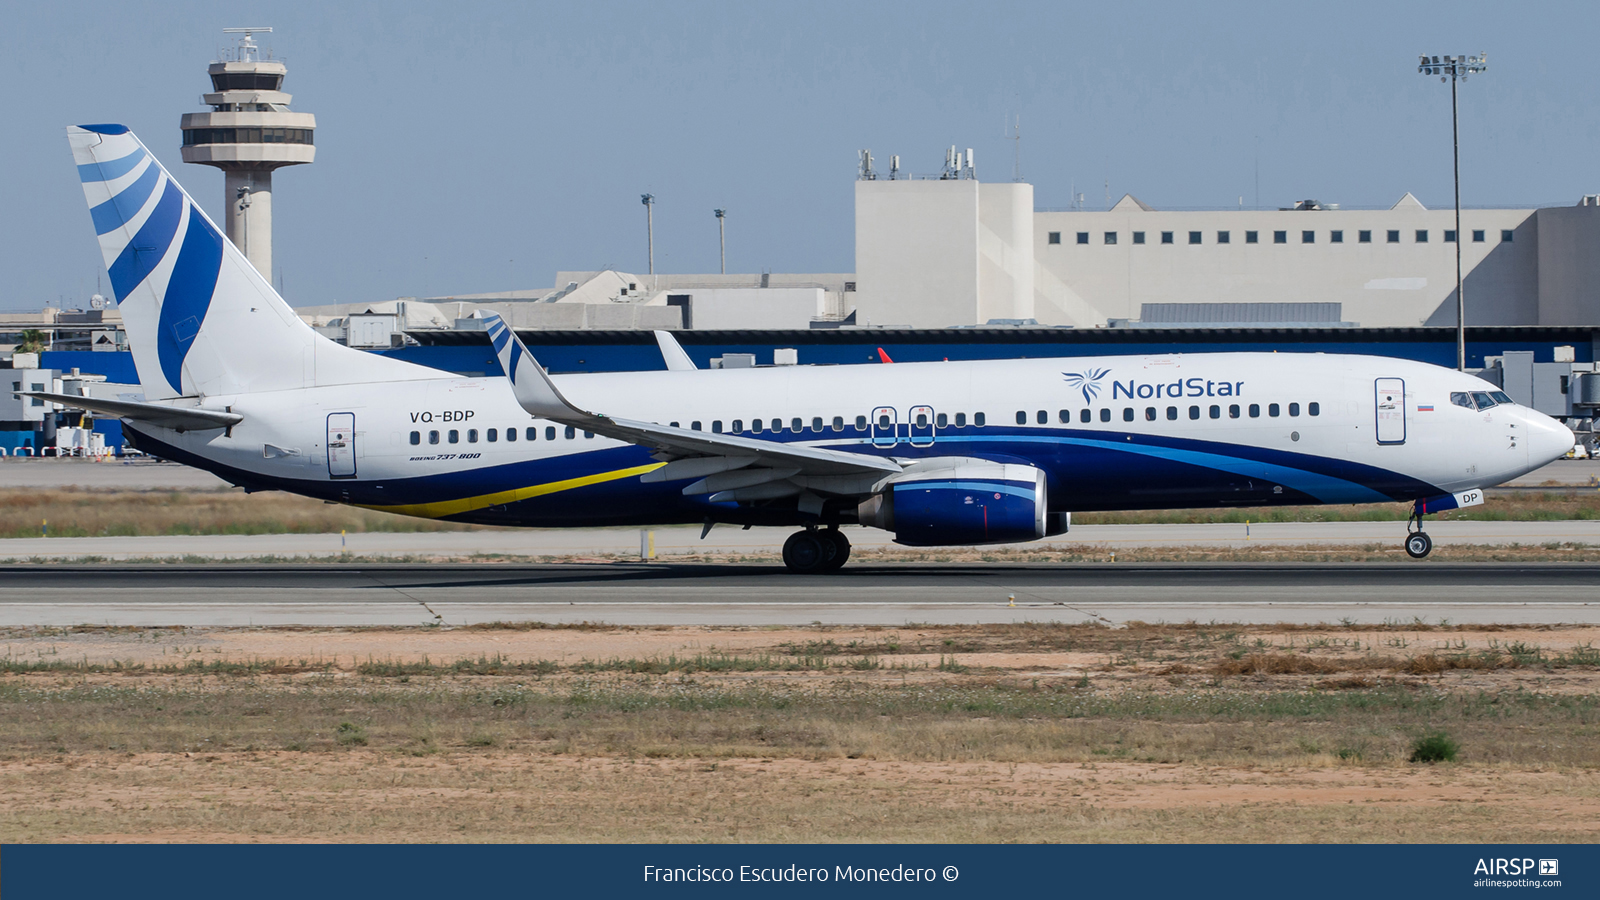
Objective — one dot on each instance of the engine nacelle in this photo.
(965, 503)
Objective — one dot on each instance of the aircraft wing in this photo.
(159, 414)
(689, 453)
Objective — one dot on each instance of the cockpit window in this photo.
(1461, 398)
(1483, 400)
(1501, 397)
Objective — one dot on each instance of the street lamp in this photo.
(1452, 69)
(649, 201)
(722, 236)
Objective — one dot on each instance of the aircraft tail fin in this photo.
(200, 318)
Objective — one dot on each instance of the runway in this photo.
(751, 595)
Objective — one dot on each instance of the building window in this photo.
(1223, 237)
(1111, 237)
(416, 438)
(1308, 237)
(1194, 237)
(1394, 236)
(1252, 237)
(1422, 235)
(1138, 237)
(1477, 235)
(1335, 237)
(1449, 236)
(1166, 237)
(1055, 237)
(1280, 237)
(1364, 237)
(1083, 237)
(1505, 235)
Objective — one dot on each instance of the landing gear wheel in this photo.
(1418, 545)
(837, 548)
(805, 552)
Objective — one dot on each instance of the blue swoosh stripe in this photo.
(106, 129)
(1326, 488)
(110, 169)
(183, 310)
(116, 212)
(980, 486)
(516, 357)
(148, 247)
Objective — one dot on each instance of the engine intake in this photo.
(967, 503)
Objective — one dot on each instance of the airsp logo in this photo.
(1087, 381)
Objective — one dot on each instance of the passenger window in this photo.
(838, 422)
(941, 420)
(1085, 415)
(511, 434)
(587, 435)
(816, 423)
(472, 435)
(922, 420)
(694, 426)
(673, 424)
(1216, 412)
(716, 426)
(755, 426)
(738, 425)
(416, 437)
(1066, 416)
(433, 437)
(1194, 412)
(961, 420)
(883, 422)
(1150, 414)
(455, 436)
(1255, 410)
(1272, 409)
(1233, 410)
(549, 432)
(1172, 413)
(1294, 409)
(492, 435)
(1314, 409)
(861, 422)
(978, 419)
(533, 433)
(1105, 415)
(1127, 414)
(1042, 417)
(571, 432)
(1022, 417)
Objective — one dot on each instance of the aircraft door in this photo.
(1391, 408)
(885, 427)
(922, 426)
(342, 445)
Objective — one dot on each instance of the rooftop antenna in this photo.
(1015, 135)
(864, 171)
(247, 47)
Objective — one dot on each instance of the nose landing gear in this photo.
(1418, 544)
(816, 550)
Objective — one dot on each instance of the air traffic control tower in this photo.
(248, 133)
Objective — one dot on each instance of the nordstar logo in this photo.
(1087, 381)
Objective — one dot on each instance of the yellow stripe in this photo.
(444, 508)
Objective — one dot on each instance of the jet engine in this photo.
(969, 502)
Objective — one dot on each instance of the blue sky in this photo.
(470, 147)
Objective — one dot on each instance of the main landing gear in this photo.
(1418, 544)
(816, 550)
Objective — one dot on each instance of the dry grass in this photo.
(88, 513)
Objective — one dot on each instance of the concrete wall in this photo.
(1569, 264)
(917, 253)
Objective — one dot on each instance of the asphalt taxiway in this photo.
(752, 595)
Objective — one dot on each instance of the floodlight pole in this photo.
(649, 201)
(1456, 68)
(722, 236)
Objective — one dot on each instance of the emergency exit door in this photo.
(341, 445)
(1391, 403)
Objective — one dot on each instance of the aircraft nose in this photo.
(1547, 439)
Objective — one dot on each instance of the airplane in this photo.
(938, 453)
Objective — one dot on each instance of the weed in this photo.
(1434, 747)
(350, 734)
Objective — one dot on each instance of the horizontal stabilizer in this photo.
(158, 414)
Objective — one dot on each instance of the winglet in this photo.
(884, 356)
(672, 353)
(532, 386)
